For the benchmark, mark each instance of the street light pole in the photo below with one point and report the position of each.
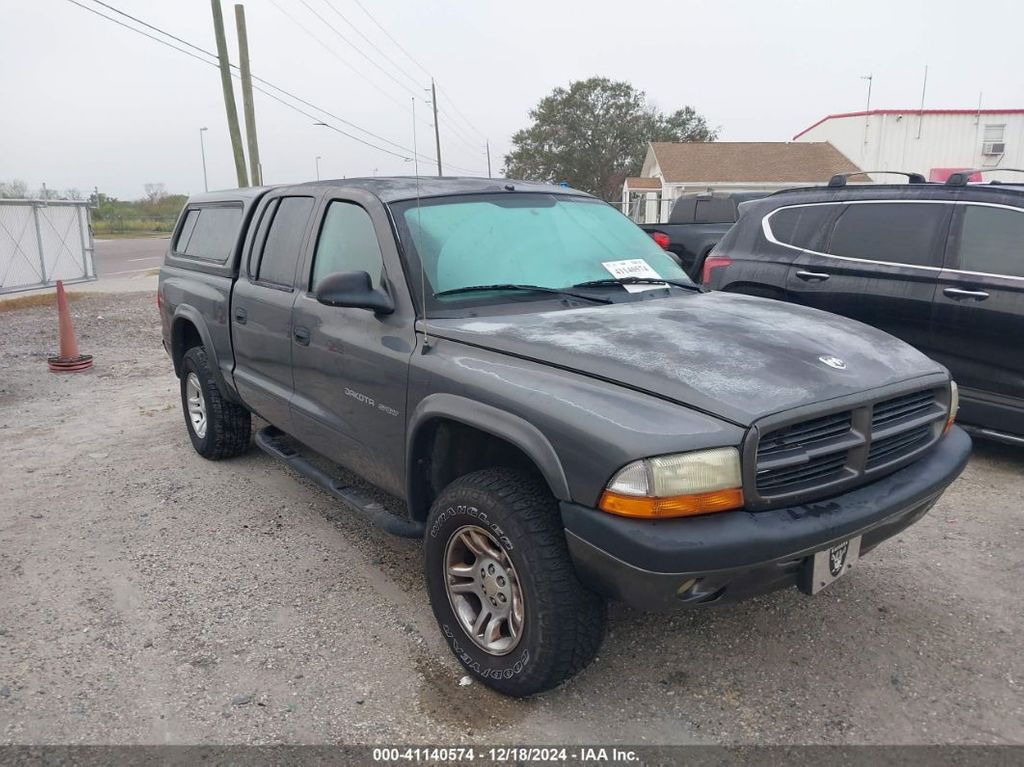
(318, 167)
(202, 149)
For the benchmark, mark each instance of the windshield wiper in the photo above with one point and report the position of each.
(532, 288)
(637, 281)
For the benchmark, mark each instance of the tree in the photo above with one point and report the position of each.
(594, 134)
(15, 189)
(155, 192)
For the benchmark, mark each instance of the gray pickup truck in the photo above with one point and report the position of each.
(565, 415)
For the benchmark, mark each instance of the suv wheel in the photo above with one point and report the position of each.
(502, 586)
(218, 428)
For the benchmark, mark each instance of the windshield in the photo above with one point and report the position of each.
(546, 240)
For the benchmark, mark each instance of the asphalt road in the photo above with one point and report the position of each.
(150, 596)
(124, 258)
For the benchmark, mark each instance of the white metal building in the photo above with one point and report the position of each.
(932, 142)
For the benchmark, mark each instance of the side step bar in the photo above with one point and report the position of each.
(278, 444)
(992, 434)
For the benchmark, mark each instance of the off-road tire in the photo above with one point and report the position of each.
(228, 425)
(564, 622)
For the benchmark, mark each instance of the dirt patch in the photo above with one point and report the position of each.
(149, 596)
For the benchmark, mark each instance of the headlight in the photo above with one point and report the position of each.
(685, 484)
(954, 406)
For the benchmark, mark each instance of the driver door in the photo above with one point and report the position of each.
(350, 366)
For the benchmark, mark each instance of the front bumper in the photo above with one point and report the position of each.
(733, 555)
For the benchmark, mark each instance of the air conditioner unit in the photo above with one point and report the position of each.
(993, 148)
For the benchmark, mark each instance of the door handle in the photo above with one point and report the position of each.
(812, 276)
(960, 294)
(301, 336)
(240, 315)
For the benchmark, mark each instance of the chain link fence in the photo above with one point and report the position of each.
(42, 242)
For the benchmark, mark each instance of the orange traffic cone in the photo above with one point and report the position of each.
(70, 360)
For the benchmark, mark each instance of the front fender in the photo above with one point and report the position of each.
(492, 420)
(185, 313)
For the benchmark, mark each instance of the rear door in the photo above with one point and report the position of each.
(878, 265)
(351, 366)
(979, 311)
(261, 308)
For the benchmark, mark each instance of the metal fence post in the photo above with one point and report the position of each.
(39, 242)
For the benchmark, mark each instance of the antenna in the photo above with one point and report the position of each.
(419, 229)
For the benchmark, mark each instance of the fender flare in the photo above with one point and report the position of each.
(184, 312)
(499, 423)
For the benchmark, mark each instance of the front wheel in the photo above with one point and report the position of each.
(502, 586)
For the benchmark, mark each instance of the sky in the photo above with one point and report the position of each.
(88, 104)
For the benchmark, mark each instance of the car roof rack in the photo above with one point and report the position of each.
(912, 178)
(961, 177)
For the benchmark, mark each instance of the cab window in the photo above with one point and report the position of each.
(348, 243)
(284, 240)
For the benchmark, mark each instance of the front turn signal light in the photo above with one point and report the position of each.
(954, 406)
(676, 506)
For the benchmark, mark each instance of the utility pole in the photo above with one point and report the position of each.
(317, 161)
(437, 128)
(247, 103)
(229, 94)
(202, 149)
(487, 146)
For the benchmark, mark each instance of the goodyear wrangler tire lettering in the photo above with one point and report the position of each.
(494, 542)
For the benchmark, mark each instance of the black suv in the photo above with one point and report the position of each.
(939, 265)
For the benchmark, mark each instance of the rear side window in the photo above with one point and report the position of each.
(348, 243)
(992, 240)
(894, 232)
(284, 240)
(804, 226)
(210, 233)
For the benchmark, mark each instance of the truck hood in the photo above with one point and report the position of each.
(734, 356)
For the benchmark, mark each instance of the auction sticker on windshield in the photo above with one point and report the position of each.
(633, 267)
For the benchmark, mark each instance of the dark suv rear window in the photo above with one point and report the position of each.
(992, 241)
(894, 232)
(209, 233)
(803, 226)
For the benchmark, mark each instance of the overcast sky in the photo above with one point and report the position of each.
(86, 103)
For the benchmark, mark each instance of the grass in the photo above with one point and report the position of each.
(36, 299)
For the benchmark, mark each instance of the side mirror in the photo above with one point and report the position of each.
(354, 290)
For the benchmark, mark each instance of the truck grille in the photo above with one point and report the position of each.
(825, 454)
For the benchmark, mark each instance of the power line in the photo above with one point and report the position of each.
(358, 50)
(405, 151)
(214, 56)
(409, 56)
(464, 118)
(389, 37)
(336, 55)
(370, 42)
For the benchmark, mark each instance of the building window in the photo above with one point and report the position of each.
(994, 133)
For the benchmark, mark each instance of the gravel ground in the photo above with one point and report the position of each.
(149, 596)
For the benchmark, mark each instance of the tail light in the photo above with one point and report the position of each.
(710, 264)
(662, 239)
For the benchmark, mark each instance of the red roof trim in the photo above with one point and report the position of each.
(911, 112)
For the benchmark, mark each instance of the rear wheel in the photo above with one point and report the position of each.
(502, 586)
(218, 428)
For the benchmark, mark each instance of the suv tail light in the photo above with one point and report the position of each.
(710, 264)
(662, 239)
